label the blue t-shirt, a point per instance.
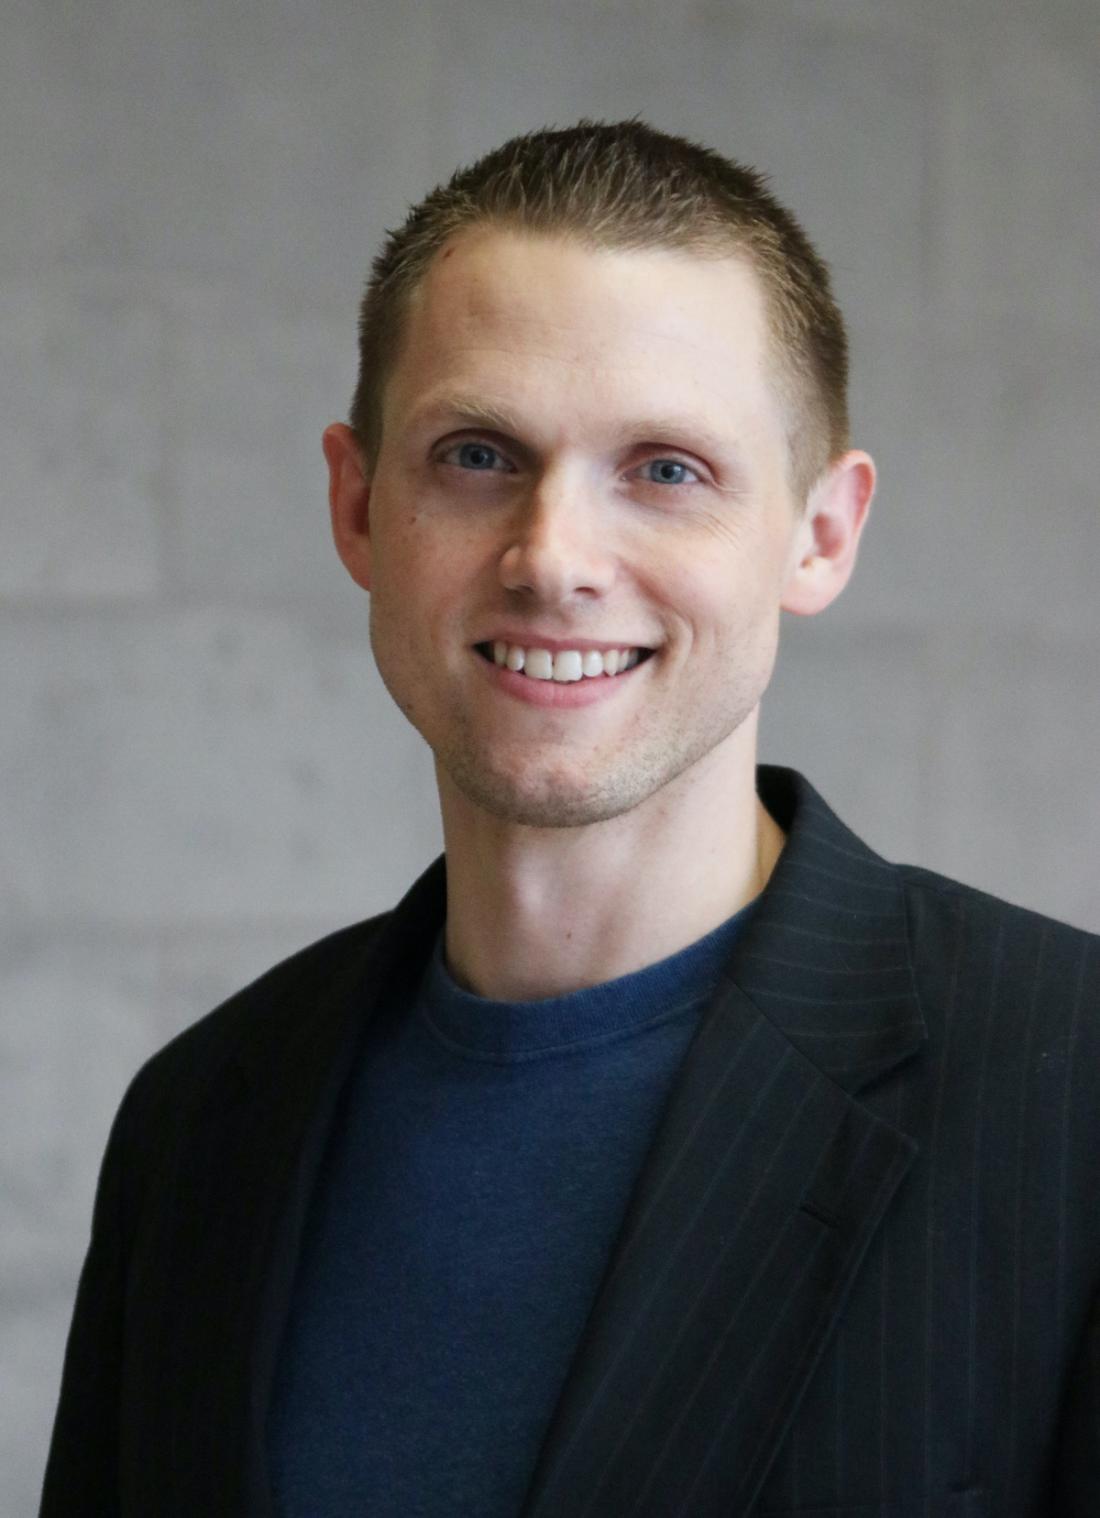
(473, 1186)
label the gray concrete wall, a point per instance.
(200, 770)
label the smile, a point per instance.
(564, 665)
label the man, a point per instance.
(665, 1151)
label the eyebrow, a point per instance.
(476, 411)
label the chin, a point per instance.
(547, 801)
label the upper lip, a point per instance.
(558, 645)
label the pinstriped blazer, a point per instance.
(858, 1274)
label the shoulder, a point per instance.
(975, 956)
(258, 1010)
(947, 911)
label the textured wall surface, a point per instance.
(200, 769)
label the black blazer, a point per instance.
(858, 1275)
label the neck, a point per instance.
(534, 913)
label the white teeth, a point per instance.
(565, 666)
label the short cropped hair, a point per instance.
(624, 186)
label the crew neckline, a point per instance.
(481, 1026)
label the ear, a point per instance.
(826, 541)
(348, 500)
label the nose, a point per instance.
(556, 550)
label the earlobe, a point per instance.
(349, 500)
(828, 536)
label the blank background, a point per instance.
(200, 769)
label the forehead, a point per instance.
(592, 326)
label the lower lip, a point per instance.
(554, 693)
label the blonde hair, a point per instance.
(624, 185)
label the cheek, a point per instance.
(408, 563)
(424, 588)
(722, 553)
(720, 598)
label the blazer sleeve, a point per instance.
(1076, 1476)
(82, 1468)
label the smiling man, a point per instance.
(666, 1150)
(584, 457)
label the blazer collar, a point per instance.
(831, 915)
(826, 955)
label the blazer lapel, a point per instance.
(764, 1185)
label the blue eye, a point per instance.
(670, 463)
(477, 449)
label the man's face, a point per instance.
(634, 497)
